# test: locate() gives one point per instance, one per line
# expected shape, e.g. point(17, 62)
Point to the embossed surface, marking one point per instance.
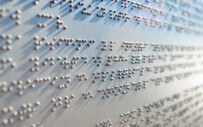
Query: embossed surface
point(101, 63)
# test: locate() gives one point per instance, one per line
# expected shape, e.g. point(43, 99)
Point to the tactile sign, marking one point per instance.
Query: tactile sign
point(101, 63)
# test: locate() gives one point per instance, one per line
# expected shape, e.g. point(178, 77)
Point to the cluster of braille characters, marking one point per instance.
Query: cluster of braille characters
point(76, 44)
point(105, 123)
point(123, 15)
point(174, 77)
point(16, 15)
point(24, 112)
point(165, 18)
point(117, 90)
point(114, 60)
point(7, 40)
point(158, 114)
point(61, 101)
point(6, 63)
point(122, 89)
point(61, 82)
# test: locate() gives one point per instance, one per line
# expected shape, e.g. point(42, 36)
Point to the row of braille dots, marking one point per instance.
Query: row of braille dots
point(193, 105)
point(62, 86)
point(160, 47)
point(53, 2)
point(127, 73)
point(171, 48)
point(66, 64)
point(103, 75)
point(171, 78)
point(69, 64)
point(148, 108)
point(155, 12)
point(122, 89)
point(82, 77)
point(121, 74)
point(97, 60)
point(42, 79)
point(21, 86)
point(17, 16)
point(138, 46)
point(79, 4)
point(116, 17)
point(32, 85)
point(110, 45)
point(26, 111)
point(117, 90)
point(89, 13)
point(105, 123)
point(137, 59)
point(142, 6)
point(8, 41)
point(113, 15)
point(132, 115)
point(61, 101)
point(172, 67)
point(153, 23)
point(46, 16)
point(159, 114)
point(158, 104)
point(128, 116)
point(121, 14)
point(87, 95)
point(49, 16)
point(116, 59)
point(5, 62)
point(140, 85)
point(79, 42)
point(51, 61)
point(37, 64)
point(178, 56)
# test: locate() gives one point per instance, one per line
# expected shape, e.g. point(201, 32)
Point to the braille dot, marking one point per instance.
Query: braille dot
point(5, 121)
